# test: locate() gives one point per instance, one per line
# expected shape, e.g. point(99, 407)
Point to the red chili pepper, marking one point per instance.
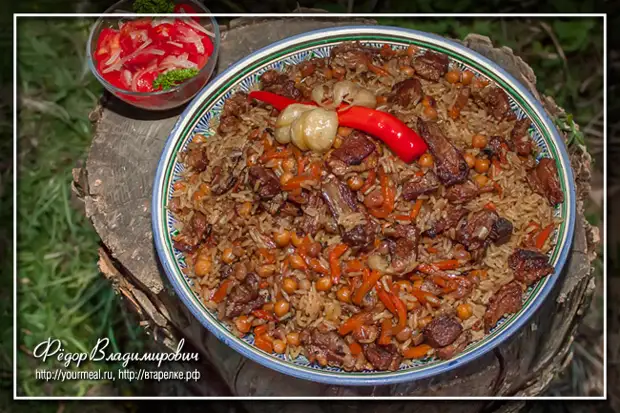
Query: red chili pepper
point(401, 139)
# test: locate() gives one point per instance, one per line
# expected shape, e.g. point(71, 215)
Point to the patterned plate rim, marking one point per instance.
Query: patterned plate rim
point(216, 90)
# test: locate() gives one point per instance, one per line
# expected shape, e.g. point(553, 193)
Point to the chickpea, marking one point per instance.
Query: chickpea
point(293, 339)
point(467, 77)
point(339, 72)
point(355, 182)
point(245, 209)
point(296, 239)
point(428, 101)
point(344, 132)
point(202, 266)
point(265, 271)
point(324, 283)
point(337, 142)
point(430, 112)
point(426, 160)
point(282, 238)
point(482, 165)
point(423, 322)
point(464, 311)
point(281, 307)
point(243, 324)
point(481, 180)
point(279, 346)
point(314, 249)
point(404, 334)
point(305, 284)
point(228, 256)
point(240, 271)
point(453, 76)
point(286, 176)
point(461, 253)
point(289, 285)
point(478, 141)
point(470, 159)
point(297, 262)
point(289, 165)
point(407, 71)
point(344, 294)
point(268, 307)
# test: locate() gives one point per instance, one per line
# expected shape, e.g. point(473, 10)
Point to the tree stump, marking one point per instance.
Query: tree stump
point(116, 183)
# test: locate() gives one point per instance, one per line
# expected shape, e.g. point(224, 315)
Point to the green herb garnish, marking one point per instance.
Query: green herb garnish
point(172, 78)
point(567, 124)
point(153, 6)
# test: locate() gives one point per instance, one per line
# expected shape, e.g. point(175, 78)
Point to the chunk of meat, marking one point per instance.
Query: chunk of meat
point(310, 221)
point(520, 138)
point(354, 149)
point(431, 66)
point(353, 55)
point(234, 107)
point(460, 102)
point(289, 209)
point(280, 83)
point(265, 180)
point(327, 348)
point(406, 93)
point(225, 174)
point(451, 167)
point(365, 334)
point(196, 159)
point(419, 185)
point(374, 199)
point(507, 300)
point(456, 347)
point(474, 232)
point(383, 357)
point(199, 225)
point(341, 168)
point(544, 180)
point(501, 231)
point(338, 197)
point(498, 104)
point(362, 235)
point(244, 298)
point(465, 192)
point(451, 218)
point(442, 331)
point(197, 230)
point(404, 249)
point(529, 266)
point(497, 148)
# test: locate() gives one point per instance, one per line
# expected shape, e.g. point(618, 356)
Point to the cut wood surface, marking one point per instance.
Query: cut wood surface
point(115, 185)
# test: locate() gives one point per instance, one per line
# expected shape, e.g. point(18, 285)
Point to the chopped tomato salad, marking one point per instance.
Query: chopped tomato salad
point(150, 54)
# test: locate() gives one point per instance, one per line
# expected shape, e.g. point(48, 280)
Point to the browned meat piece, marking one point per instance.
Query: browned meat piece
point(310, 221)
point(442, 331)
point(362, 235)
point(383, 357)
point(407, 92)
point(431, 66)
point(196, 159)
point(529, 266)
point(233, 108)
point(460, 102)
point(465, 192)
point(520, 138)
point(338, 197)
point(430, 287)
point(193, 234)
point(459, 345)
point(267, 182)
point(451, 167)
point(499, 105)
point(544, 180)
point(299, 199)
point(404, 249)
point(365, 334)
point(419, 185)
point(290, 210)
point(327, 348)
point(352, 55)
point(199, 225)
point(452, 217)
point(225, 271)
point(244, 298)
point(507, 300)
point(497, 148)
point(185, 243)
point(222, 180)
point(279, 83)
point(374, 199)
point(355, 148)
point(476, 231)
point(501, 231)
point(341, 168)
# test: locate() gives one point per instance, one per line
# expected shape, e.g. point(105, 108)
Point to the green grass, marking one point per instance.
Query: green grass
point(61, 292)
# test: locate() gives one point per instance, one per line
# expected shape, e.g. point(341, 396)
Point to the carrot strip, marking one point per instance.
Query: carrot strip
point(353, 266)
point(262, 314)
point(402, 217)
point(370, 181)
point(401, 311)
point(334, 261)
point(432, 250)
point(316, 266)
point(260, 330)
point(379, 71)
point(263, 343)
point(355, 348)
point(426, 297)
point(447, 264)
point(388, 197)
point(490, 206)
point(498, 188)
point(542, 236)
point(385, 298)
point(295, 182)
point(275, 154)
point(416, 209)
point(417, 351)
point(354, 322)
point(221, 292)
point(385, 337)
point(366, 286)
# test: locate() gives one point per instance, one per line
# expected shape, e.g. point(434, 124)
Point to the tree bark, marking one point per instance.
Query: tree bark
point(116, 183)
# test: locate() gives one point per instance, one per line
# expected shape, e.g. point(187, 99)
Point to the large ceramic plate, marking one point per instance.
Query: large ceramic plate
point(206, 107)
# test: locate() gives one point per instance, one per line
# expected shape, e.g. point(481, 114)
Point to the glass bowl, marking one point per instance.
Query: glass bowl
point(162, 99)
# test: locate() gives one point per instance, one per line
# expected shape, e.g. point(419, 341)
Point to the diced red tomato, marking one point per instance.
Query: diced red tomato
point(172, 48)
point(114, 78)
point(163, 32)
point(143, 80)
point(145, 56)
point(186, 8)
point(133, 34)
point(107, 43)
point(199, 59)
point(208, 44)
